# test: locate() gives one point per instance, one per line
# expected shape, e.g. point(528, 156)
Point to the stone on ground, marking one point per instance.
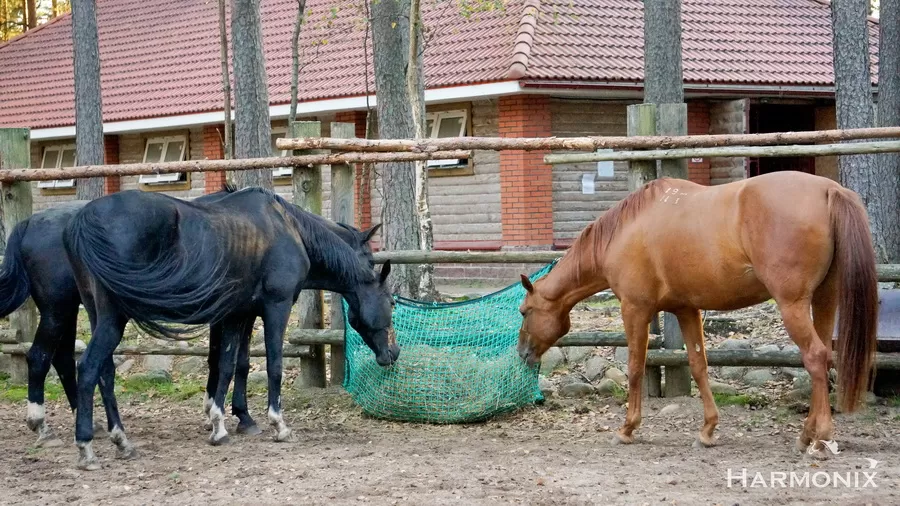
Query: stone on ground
point(621, 354)
point(734, 344)
point(718, 387)
point(595, 367)
point(768, 348)
point(547, 387)
point(606, 386)
point(154, 376)
point(158, 362)
point(733, 373)
point(125, 366)
point(192, 365)
point(758, 377)
point(616, 375)
point(578, 354)
point(257, 378)
point(576, 389)
point(551, 360)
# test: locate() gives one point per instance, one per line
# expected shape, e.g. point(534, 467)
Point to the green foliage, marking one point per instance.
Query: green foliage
point(143, 387)
point(14, 393)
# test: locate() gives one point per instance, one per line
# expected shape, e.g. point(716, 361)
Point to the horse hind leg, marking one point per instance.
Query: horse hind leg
point(692, 329)
point(39, 358)
point(637, 331)
point(246, 424)
point(125, 450)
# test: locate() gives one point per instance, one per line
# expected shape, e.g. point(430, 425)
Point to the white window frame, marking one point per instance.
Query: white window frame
point(57, 183)
point(282, 171)
point(163, 178)
point(437, 117)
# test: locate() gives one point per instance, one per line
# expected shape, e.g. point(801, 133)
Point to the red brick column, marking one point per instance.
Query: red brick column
point(362, 189)
point(526, 182)
point(111, 184)
point(213, 149)
point(698, 124)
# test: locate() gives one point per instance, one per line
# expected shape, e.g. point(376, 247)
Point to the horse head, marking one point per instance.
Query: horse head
point(544, 321)
point(371, 308)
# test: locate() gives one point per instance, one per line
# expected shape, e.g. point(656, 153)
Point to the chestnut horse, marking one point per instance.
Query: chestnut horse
point(680, 247)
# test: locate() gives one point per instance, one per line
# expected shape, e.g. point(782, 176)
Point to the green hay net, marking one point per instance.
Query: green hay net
point(458, 361)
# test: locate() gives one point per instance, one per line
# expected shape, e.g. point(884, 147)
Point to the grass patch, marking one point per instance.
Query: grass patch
point(894, 401)
point(755, 401)
point(19, 393)
point(148, 388)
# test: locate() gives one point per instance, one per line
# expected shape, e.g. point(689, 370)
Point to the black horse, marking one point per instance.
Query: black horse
point(35, 265)
point(158, 260)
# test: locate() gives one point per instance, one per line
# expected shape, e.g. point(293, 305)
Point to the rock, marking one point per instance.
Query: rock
point(793, 348)
point(595, 367)
point(118, 360)
point(578, 354)
point(871, 398)
point(258, 378)
point(803, 384)
point(616, 375)
point(154, 376)
point(621, 354)
point(606, 386)
point(568, 379)
point(733, 373)
point(158, 362)
point(734, 344)
point(125, 366)
point(551, 360)
point(80, 346)
point(192, 365)
point(547, 387)
point(758, 377)
point(577, 389)
point(668, 410)
point(794, 372)
point(767, 348)
point(286, 363)
point(718, 387)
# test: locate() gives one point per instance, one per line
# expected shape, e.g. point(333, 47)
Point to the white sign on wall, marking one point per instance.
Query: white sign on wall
point(605, 169)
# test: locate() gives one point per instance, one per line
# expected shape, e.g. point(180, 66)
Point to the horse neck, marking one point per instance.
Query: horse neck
point(573, 280)
point(334, 264)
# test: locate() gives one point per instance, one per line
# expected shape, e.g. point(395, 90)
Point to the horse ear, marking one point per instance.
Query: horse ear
point(527, 283)
point(385, 270)
point(367, 235)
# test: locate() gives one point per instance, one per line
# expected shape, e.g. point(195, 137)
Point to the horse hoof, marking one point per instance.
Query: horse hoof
point(127, 453)
point(619, 439)
point(800, 447)
point(88, 464)
point(283, 436)
point(249, 430)
point(699, 443)
point(223, 440)
point(208, 425)
point(33, 425)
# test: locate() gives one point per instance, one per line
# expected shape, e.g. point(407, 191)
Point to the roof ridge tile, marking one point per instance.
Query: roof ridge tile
point(524, 40)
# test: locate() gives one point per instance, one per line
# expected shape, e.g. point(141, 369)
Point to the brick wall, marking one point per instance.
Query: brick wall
point(727, 117)
point(213, 149)
point(526, 182)
point(698, 124)
point(111, 184)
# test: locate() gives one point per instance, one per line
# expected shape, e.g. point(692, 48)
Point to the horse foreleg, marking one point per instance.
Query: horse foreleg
point(125, 450)
point(39, 358)
point(212, 380)
point(246, 424)
point(692, 330)
point(275, 318)
point(231, 331)
point(637, 332)
point(818, 426)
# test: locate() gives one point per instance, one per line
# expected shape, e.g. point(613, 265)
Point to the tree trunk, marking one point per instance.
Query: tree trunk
point(416, 91)
point(53, 8)
point(853, 97)
point(889, 115)
point(295, 60)
point(253, 129)
point(31, 13)
point(226, 81)
point(663, 81)
point(390, 34)
point(88, 102)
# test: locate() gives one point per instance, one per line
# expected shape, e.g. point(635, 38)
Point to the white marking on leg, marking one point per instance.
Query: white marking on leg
point(277, 420)
point(218, 421)
point(86, 458)
point(34, 416)
point(125, 448)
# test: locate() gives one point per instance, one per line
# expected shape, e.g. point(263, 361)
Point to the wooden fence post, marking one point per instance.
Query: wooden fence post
point(308, 195)
point(641, 122)
point(342, 177)
point(15, 199)
point(672, 120)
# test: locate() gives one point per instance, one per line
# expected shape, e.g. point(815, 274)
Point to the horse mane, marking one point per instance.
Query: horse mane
point(595, 238)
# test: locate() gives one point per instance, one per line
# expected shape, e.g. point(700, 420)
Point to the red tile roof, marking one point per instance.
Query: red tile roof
point(161, 57)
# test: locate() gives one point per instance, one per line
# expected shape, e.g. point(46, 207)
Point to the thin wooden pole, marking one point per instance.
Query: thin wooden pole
point(588, 143)
point(15, 199)
point(308, 195)
point(136, 169)
point(730, 152)
point(342, 178)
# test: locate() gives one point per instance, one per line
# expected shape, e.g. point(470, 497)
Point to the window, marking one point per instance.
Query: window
point(58, 157)
point(446, 124)
point(164, 149)
point(279, 133)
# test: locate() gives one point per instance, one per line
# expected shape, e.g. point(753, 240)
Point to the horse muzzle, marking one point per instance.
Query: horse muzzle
point(389, 354)
point(527, 353)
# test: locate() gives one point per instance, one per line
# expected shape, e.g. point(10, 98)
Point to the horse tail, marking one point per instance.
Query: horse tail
point(858, 303)
point(178, 286)
point(14, 284)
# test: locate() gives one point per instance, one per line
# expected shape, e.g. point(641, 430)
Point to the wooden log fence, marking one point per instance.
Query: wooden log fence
point(587, 143)
point(143, 349)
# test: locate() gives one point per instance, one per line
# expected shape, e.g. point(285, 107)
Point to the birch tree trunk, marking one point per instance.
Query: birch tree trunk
point(889, 115)
point(853, 96)
point(390, 41)
point(253, 129)
point(226, 81)
point(295, 60)
point(416, 91)
point(88, 102)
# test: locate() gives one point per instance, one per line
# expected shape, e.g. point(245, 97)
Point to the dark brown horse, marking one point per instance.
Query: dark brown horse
point(680, 247)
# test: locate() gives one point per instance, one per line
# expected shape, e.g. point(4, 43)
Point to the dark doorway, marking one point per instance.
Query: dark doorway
point(768, 118)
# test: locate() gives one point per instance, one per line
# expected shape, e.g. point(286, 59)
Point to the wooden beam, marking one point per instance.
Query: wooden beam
point(136, 169)
point(730, 151)
point(641, 122)
point(588, 143)
point(753, 358)
point(193, 351)
point(342, 176)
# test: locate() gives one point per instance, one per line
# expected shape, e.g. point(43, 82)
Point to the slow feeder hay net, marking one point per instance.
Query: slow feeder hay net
point(458, 361)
